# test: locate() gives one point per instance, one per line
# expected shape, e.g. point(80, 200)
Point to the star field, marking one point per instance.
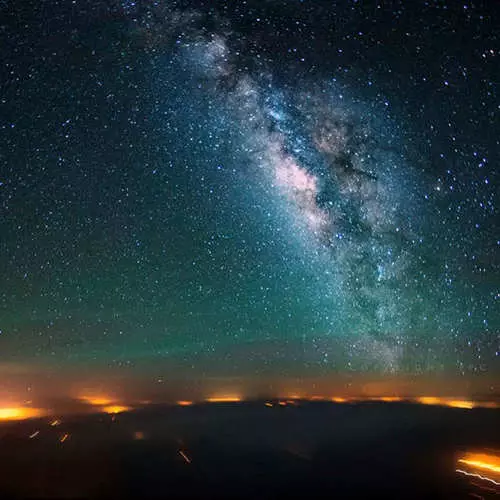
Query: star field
point(250, 188)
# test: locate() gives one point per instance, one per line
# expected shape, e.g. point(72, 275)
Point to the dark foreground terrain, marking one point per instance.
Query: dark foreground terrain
point(250, 450)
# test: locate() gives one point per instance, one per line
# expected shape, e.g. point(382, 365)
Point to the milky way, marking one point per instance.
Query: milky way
point(212, 192)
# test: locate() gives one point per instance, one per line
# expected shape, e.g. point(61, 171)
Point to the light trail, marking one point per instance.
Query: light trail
point(185, 457)
point(479, 476)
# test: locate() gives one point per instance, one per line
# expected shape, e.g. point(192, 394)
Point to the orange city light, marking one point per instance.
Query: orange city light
point(114, 409)
point(483, 461)
point(105, 404)
point(97, 400)
point(453, 403)
point(460, 403)
point(20, 413)
point(389, 399)
point(482, 466)
point(317, 398)
point(185, 403)
point(224, 399)
point(429, 400)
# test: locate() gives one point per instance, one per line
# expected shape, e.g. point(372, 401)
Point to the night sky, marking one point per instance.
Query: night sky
point(249, 188)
